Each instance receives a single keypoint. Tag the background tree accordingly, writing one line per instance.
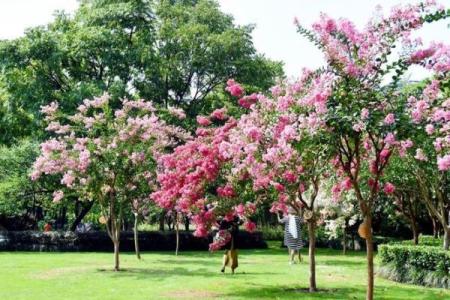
(340, 215)
(429, 112)
(106, 155)
(173, 52)
(405, 201)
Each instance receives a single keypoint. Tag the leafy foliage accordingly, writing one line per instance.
(172, 52)
(424, 265)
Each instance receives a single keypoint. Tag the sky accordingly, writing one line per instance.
(275, 34)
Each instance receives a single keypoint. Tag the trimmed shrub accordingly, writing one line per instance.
(426, 240)
(421, 265)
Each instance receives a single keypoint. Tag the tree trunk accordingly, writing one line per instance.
(113, 227)
(61, 220)
(80, 216)
(186, 223)
(370, 268)
(312, 255)
(446, 237)
(177, 232)
(435, 229)
(116, 255)
(162, 220)
(415, 233)
(136, 236)
(344, 242)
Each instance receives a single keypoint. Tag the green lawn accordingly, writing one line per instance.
(262, 274)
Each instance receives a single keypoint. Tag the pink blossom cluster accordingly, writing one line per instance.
(112, 147)
(221, 238)
(186, 174)
(361, 53)
(177, 112)
(432, 108)
(234, 88)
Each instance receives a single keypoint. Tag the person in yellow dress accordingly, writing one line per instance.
(230, 257)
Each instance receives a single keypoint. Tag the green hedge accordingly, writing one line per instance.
(422, 265)
(426, 240)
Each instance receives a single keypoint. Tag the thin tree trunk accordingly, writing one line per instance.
(312, 255)
(116, 255)
(114, 233)
(177, 232)
(136, 236)
(446, 238)
(114, 226)
(186, 223)
(161, 220)
(415, 233)
(370, 268)
(435, 229)
(344, 242)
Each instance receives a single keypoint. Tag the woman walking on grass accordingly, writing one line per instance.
(230, 257)
(292, 234)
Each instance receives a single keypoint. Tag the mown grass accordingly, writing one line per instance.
(262, 274)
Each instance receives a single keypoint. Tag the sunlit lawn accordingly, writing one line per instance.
(262, 274)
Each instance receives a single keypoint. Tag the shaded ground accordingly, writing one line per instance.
(262, 274)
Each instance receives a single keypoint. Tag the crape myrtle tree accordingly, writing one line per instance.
(429, 110)
(106, 155)
(280, 147)
(361, 111)
(193, 179)
(274, 151)
(175, 53)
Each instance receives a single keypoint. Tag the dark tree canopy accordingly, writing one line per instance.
(173, 52)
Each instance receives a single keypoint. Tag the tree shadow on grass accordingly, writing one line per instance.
(390, 290)
(157, 273)
(295, 292)
(382, 291)
(304, 252)
(341, 263)
(162, 274)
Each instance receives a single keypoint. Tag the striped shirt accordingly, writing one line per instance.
(289, 240)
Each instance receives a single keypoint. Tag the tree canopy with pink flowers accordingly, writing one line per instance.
(106, 155)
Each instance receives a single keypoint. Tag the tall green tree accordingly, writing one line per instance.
(176, 53)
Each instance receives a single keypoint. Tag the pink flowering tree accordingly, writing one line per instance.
(193, 179)
(280, 147)
(106, 155)
(429, 112)
(362, 112)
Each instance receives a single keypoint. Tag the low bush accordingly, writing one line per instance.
(426, 240)
(422, 265)
(272, 233)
